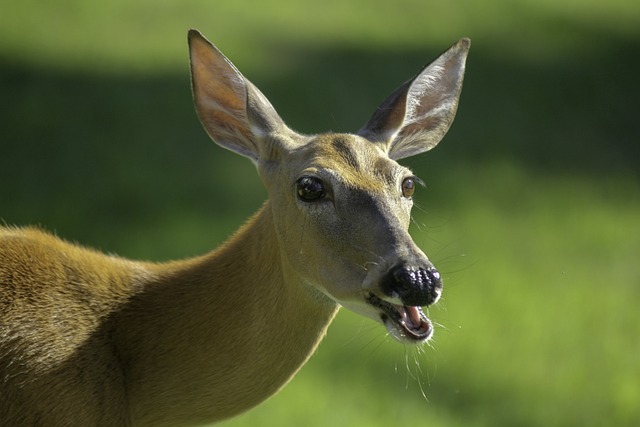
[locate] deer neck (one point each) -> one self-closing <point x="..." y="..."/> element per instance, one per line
<point x="220" y="333"/>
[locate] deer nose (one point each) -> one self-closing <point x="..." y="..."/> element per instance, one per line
<point x="414" y="286"/>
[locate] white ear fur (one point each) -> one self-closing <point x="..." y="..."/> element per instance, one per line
<point x="235" y="114"/>
<point x="415" y="117"/>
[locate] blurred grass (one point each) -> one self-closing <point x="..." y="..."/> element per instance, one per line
<point x="532" y="207"/>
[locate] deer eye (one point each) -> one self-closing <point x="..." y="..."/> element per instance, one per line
<point x="310" y="188"/>
<point x="408" y="187"/>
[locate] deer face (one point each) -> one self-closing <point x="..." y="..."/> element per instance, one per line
<point x="341" y="203"/>
<point x="342" y="209"/>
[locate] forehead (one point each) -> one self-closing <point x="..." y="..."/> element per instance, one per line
<point x="354" y="160"/>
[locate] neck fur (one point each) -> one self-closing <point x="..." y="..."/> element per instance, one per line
<point x="220" y="333"/>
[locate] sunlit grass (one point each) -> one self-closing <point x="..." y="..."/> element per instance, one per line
<point x="147" y="36"/>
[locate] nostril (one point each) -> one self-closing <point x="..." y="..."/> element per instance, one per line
<point x="413" y="286"/>
<point x="405" y="279"/>
<point x="433" y="276"/>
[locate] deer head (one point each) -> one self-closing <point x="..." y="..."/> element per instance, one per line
<point x="341" y="203"/>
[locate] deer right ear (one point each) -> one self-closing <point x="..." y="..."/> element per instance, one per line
<point x="419" y="113"/>
<point x="235" y="114"/>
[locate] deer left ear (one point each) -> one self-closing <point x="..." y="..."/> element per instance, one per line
<point x="415" y="117"/>
<point x="232" y="110"/>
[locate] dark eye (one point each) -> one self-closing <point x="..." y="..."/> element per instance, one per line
<point x="408" y="187"/>
<point x="310" y="188"/>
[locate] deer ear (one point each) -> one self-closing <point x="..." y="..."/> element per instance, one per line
<point x="235" y="114"/>
<point x="415" y="117"/>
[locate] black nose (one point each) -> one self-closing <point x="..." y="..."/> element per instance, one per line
<point x="414" y="286"/>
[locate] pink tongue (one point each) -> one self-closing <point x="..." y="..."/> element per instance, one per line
<point x="413" y="316"/>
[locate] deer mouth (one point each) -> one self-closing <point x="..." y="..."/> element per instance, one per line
<point x="405" y="323"/>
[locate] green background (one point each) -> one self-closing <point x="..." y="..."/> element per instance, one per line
<point x="531" y="211"/>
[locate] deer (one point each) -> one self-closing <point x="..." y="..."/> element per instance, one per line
<point x="88" y="338"/>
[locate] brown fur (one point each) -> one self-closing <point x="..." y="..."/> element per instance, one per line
<point x="91" y="339"/>
<point x="104" y="323"/>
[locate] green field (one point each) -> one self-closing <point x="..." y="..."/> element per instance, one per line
<point x="531" y="211"/>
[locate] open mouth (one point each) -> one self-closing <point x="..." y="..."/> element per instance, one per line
<point x="405" y="323"/>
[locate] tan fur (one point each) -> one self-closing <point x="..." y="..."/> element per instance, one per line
<point x="128" y="323"/>
<point x="91" y="339"/>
